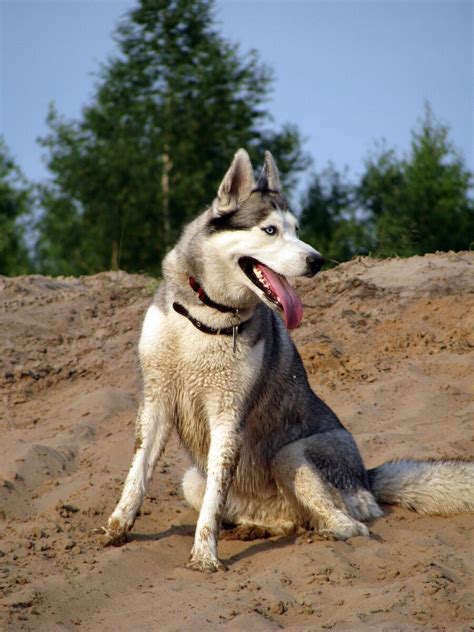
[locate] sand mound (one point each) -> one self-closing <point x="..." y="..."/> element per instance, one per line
<point x="388" y="344"/>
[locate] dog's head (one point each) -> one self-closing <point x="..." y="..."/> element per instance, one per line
<point x="253" y="238"/>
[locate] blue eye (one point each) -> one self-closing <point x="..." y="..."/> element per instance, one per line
<point x="270" y="230"/>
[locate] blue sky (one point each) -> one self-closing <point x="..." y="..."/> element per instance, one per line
<point x="347" y="72"/>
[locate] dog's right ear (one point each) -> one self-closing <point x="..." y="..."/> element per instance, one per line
<point x="237" y="185"/>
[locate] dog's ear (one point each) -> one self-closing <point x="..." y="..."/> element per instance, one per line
<point x="269" y="179"/>
<point x="237" y="185"/>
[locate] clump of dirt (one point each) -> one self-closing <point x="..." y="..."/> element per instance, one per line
<point x="388" y="344"/>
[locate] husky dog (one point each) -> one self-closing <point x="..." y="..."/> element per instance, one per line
<point x="218" y="365"/>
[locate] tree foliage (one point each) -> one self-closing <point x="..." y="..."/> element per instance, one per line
<point x="329" y="219"/>
<point x="15" y="206"/>
<point x="400" y="206"/>
<point x="148" y="151"/>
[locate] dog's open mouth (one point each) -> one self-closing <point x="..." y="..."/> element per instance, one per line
<point x="276" y="289"/>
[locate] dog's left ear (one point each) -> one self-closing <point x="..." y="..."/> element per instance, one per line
<point x="269" y="179"/>
<point x="237" y="185"/>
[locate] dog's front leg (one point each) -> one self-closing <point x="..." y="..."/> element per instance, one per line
<point x="152" y="432"/>
<point x="221" y="464"/>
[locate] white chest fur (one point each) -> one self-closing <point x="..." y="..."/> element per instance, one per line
<point x="202" y="380"/>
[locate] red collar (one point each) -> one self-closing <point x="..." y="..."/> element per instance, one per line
<point x="208" y="301"/>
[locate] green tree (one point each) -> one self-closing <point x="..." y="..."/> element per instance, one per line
<point x="421" y="203"/>
<point x="15" y="206"/>
<point x="329" y="218"/>
<point x="379" y="195"/>
<point x="149" y="150"/>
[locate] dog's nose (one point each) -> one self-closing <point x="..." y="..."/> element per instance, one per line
<point x="315" y="263"/>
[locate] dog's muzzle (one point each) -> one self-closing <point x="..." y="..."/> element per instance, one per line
<point x="314" y="264"/>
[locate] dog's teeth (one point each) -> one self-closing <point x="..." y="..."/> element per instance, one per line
<point x="263" y="282"/>
<point x="261" y="278"/>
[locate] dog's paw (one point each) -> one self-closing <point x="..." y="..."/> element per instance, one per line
<point x="344" y="527"/>
<point x="205" y="563"/>
<point x="114" y="534"/>
<point x="361" y="505"/>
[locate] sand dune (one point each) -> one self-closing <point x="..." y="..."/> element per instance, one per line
<point x="388" y="344"/>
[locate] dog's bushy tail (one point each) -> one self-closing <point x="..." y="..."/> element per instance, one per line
<point x="437" y="487"/>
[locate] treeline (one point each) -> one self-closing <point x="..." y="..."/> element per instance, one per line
<point x="400" y="206"/>
<point x="149" y="150"/>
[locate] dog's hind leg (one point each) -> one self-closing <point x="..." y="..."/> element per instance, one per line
<point x="153" y="429"/>
<point x="194" y="486"/>
<point x="305" y="486"/>
<point x="246" y="518"/>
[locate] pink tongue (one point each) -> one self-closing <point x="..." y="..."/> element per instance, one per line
<point x="292" y="306"/>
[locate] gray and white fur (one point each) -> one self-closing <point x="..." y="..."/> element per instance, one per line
<point x="269" y="456"/>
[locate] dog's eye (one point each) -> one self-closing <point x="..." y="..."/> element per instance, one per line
<point x="297" y="230"/>
<point x="270" y="230"/>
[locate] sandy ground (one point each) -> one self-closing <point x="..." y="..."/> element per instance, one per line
<point x="388" y="344"/>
